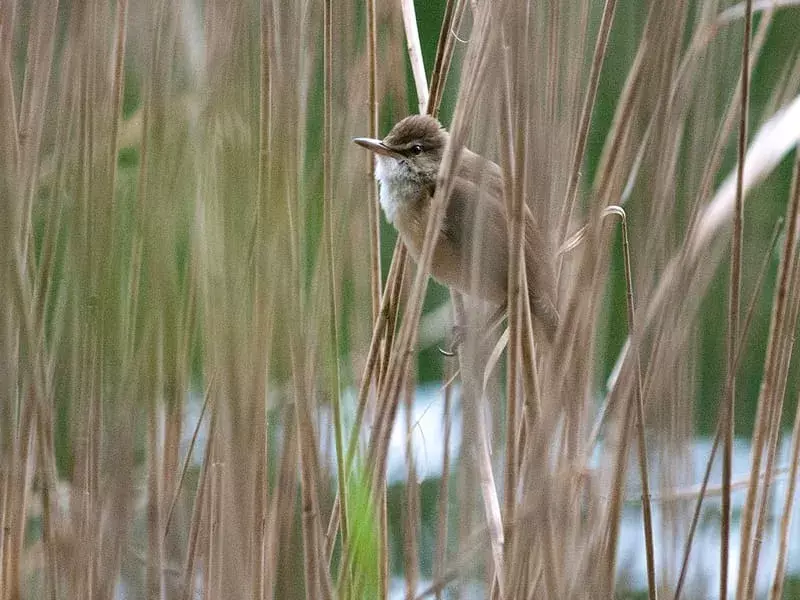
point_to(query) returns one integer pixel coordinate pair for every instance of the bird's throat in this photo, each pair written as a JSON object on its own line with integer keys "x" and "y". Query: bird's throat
{"x": 399, "y": 189}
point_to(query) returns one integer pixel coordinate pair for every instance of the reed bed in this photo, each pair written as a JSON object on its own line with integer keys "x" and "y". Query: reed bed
{"x": 207, "y": 338}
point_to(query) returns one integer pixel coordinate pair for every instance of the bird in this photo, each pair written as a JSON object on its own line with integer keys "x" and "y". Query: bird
{"x": 472, "y": 250}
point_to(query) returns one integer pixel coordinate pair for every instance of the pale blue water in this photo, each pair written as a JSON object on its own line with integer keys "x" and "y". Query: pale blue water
{"x": 704, "y": 569}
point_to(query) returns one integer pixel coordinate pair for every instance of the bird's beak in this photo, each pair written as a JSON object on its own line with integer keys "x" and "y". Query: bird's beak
{"x": 377, "y": 146}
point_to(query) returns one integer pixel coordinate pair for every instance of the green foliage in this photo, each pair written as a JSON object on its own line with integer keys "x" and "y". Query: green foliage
{"x": 364, "y": 540}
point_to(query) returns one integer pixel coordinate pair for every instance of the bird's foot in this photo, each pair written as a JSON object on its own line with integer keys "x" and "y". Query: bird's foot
{"x": 457, "y": 337}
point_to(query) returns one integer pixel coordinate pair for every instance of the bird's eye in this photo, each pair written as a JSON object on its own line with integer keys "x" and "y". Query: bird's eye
{"x": 416, "y": 149}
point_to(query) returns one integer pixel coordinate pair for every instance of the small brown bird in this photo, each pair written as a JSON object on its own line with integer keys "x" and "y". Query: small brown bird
{"x": 471, "y": 254}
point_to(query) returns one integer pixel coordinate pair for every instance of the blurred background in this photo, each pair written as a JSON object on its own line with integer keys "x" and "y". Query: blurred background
{"x": 193, "y": 335}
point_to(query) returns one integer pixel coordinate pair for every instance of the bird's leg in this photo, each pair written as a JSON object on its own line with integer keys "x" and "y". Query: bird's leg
{"x": 457, "y": 336}
{"x": 460, "y": 331}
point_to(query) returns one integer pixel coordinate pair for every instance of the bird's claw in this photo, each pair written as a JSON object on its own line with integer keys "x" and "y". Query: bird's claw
{"x": 458, "y": 338}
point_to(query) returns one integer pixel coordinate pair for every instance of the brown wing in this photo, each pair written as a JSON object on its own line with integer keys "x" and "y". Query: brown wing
{"x": 480, "y": 231}
{"x": 477, "y": 233}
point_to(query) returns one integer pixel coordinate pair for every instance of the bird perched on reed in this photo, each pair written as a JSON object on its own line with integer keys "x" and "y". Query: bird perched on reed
{"x": 472, "y": 251}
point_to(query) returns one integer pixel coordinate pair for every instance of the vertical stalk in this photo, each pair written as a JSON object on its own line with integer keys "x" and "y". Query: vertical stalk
{"x": 444, "y": 500}
{"x": 327, "y": 177}
{"x": 415, "y": 53}
{"x": 370, "y": 369}
{"x": 718, "y": 435}
{"x": 374, "y": 213}
{"x": 514, "y": 179}
{"x": 776, "y": 590}
{"x": 586, "y": 116}
{"x": 639, "y": 406}
{"x": 773, "y": 422}
{"x": 635, "y": 411}
{"x": 453, "y": 11}
{"x": 261, "y": 493}
{"x": 767, "y": 392}
{"x": 155, "y": 583}
{"x": 728, "y": 423}
{"x": 412, "y": 499}
{"x": 383, "y": 541}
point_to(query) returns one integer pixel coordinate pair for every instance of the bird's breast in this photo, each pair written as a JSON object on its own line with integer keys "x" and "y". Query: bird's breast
{"x": 398, "y": 192}
{"x": 451, "y": 264}
{"x": 406, "y": 205}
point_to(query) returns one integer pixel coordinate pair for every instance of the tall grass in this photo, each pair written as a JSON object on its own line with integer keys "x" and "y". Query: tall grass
{"x": 184, "y": 223}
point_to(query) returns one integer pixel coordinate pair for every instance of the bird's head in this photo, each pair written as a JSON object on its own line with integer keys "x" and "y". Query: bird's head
{"x": 410, "y": 153}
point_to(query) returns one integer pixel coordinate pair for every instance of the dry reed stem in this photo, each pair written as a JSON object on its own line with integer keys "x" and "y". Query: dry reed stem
{"x": 261, "y": 500}
{"x": 154, "y": 579}
{"x": 198, "y": 512}
{"x": 775, "y": 413}
{"x": 155, "y": 582}
{"x": 399, "y": 359}
{"x": 766, "y": 395}
{"x": 327, "y": 151}
{"x": 639, "y": 408}
{"x": 116, "y": 93}
{"x": 38, "y": 72}
{"x": 579, "y": 145}
{"x": 176, "y": 494}
{"x": 315, "y": 566}
{"x": 715, "y": 156}
{"x": 81, "y": 578}
{"x": 411, "y": 521}
{"x": 733, "y": 307}
{"x": 210, "y": 562}
{"x": 372, "y": 193}
{"x": 607, "y": 577}
{"x": 679, "y": 495}
{"x": 482, "y": 457}
{"x": 514, "y": 174}
{"x": 4, "y": 507}
{"x": 261, "y": 491}
{"x": 778, "y": 579}
{"x": 400, "y": 256}
{"x": 624, "y": 111}
{"x": 309, "y": 509}
{"x": 453, "y": 11}
{"x": 17, "y": 504}
{"x": 415, "y": 53}
{"x": 383, "y": 561}
{"x": 265, "y": 129}
{"x": 13, "y": 413}
{"x": 443, "y": 503}
{"x": 706, "y": 221}
{"x": 740, "y": 345}
{"x": 633, "y": 412}
{"x": 364, "y": 387}
{"x": 554, "y": 25}
{"x": 390, "y": 303}
{"x": 286, "y": 488}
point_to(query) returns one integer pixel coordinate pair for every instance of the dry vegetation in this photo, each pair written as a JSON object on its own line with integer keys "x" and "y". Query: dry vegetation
{"x": 184, "y": 221}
